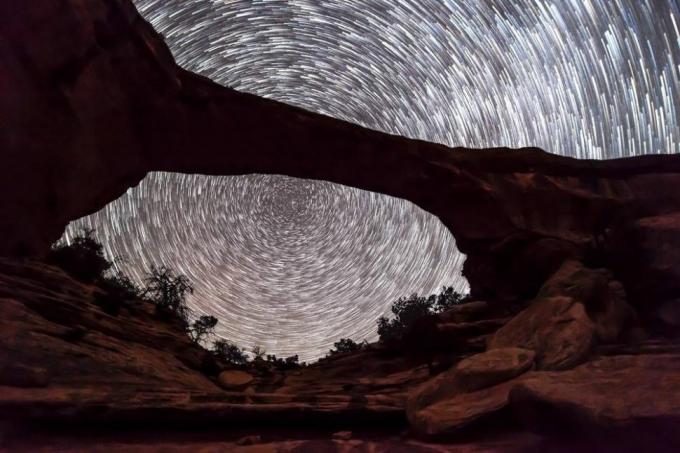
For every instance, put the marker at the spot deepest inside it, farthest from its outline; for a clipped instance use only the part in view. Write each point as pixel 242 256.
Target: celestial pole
pixel 294 265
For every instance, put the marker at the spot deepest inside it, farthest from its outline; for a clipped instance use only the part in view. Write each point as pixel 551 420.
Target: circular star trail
pixel 588 78
pixel 286 264
pixel 294 265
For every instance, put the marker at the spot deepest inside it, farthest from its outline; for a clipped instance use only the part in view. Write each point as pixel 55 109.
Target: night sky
pixel 294 265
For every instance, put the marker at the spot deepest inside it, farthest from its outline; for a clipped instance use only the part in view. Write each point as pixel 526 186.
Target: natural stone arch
pixel 92 112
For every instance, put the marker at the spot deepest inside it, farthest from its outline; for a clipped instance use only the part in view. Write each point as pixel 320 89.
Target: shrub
pixel 121 285
pixel 229 352
pixel 346 345
pixel 407 310
pixel 258 353
pixel 292 361
pixel 83 258
pixel 117 289
pixel 168 291
pixel 202 327
pixel 448 299
pixel 288 363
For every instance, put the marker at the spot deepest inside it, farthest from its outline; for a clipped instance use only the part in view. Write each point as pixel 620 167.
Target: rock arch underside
pixel 92 100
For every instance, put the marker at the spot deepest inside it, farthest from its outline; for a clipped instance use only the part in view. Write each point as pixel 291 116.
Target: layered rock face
pixel 94 100
pixel 69 366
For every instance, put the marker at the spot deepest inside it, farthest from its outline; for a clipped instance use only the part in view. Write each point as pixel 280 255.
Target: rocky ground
pixel 574 368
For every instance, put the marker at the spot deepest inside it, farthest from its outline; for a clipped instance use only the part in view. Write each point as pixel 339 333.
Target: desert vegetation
pixel 346 345
pixel 232 354
pixel 84 259
pixel 412 310
pixel 229 352
pixel 168 291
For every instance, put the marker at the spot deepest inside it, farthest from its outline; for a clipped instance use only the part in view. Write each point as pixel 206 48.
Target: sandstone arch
pixel 93 100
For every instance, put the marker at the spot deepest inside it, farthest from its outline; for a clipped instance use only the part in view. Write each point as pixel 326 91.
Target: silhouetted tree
pixel 229 352
pixel 83 258
pixel 258 353
pixel 202 327
pixel 284 364
pixel 407 310
pixel 346 345
pixel 448 299
pixel 117 290
pixel 168 291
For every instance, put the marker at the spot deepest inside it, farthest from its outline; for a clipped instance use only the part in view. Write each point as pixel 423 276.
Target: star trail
pixel 293 265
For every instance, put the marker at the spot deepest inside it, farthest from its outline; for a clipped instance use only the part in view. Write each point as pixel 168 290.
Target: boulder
pixel 623 397
pixel 473 373
pixel 557 328
pixel 613 317
pixel 427 337
pixel 492 367
pixel 234 379
pixel 603 297
pixel 465 312
pixel 627 393
pixel 249 440
pixel 453 414
pixel 648 259
pixel 574 280
pixel 342 435
pixel 460 330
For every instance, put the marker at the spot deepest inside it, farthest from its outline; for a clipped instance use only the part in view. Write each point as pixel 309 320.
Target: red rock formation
pixel 65 359
pixel 68 364
pixel 93 100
